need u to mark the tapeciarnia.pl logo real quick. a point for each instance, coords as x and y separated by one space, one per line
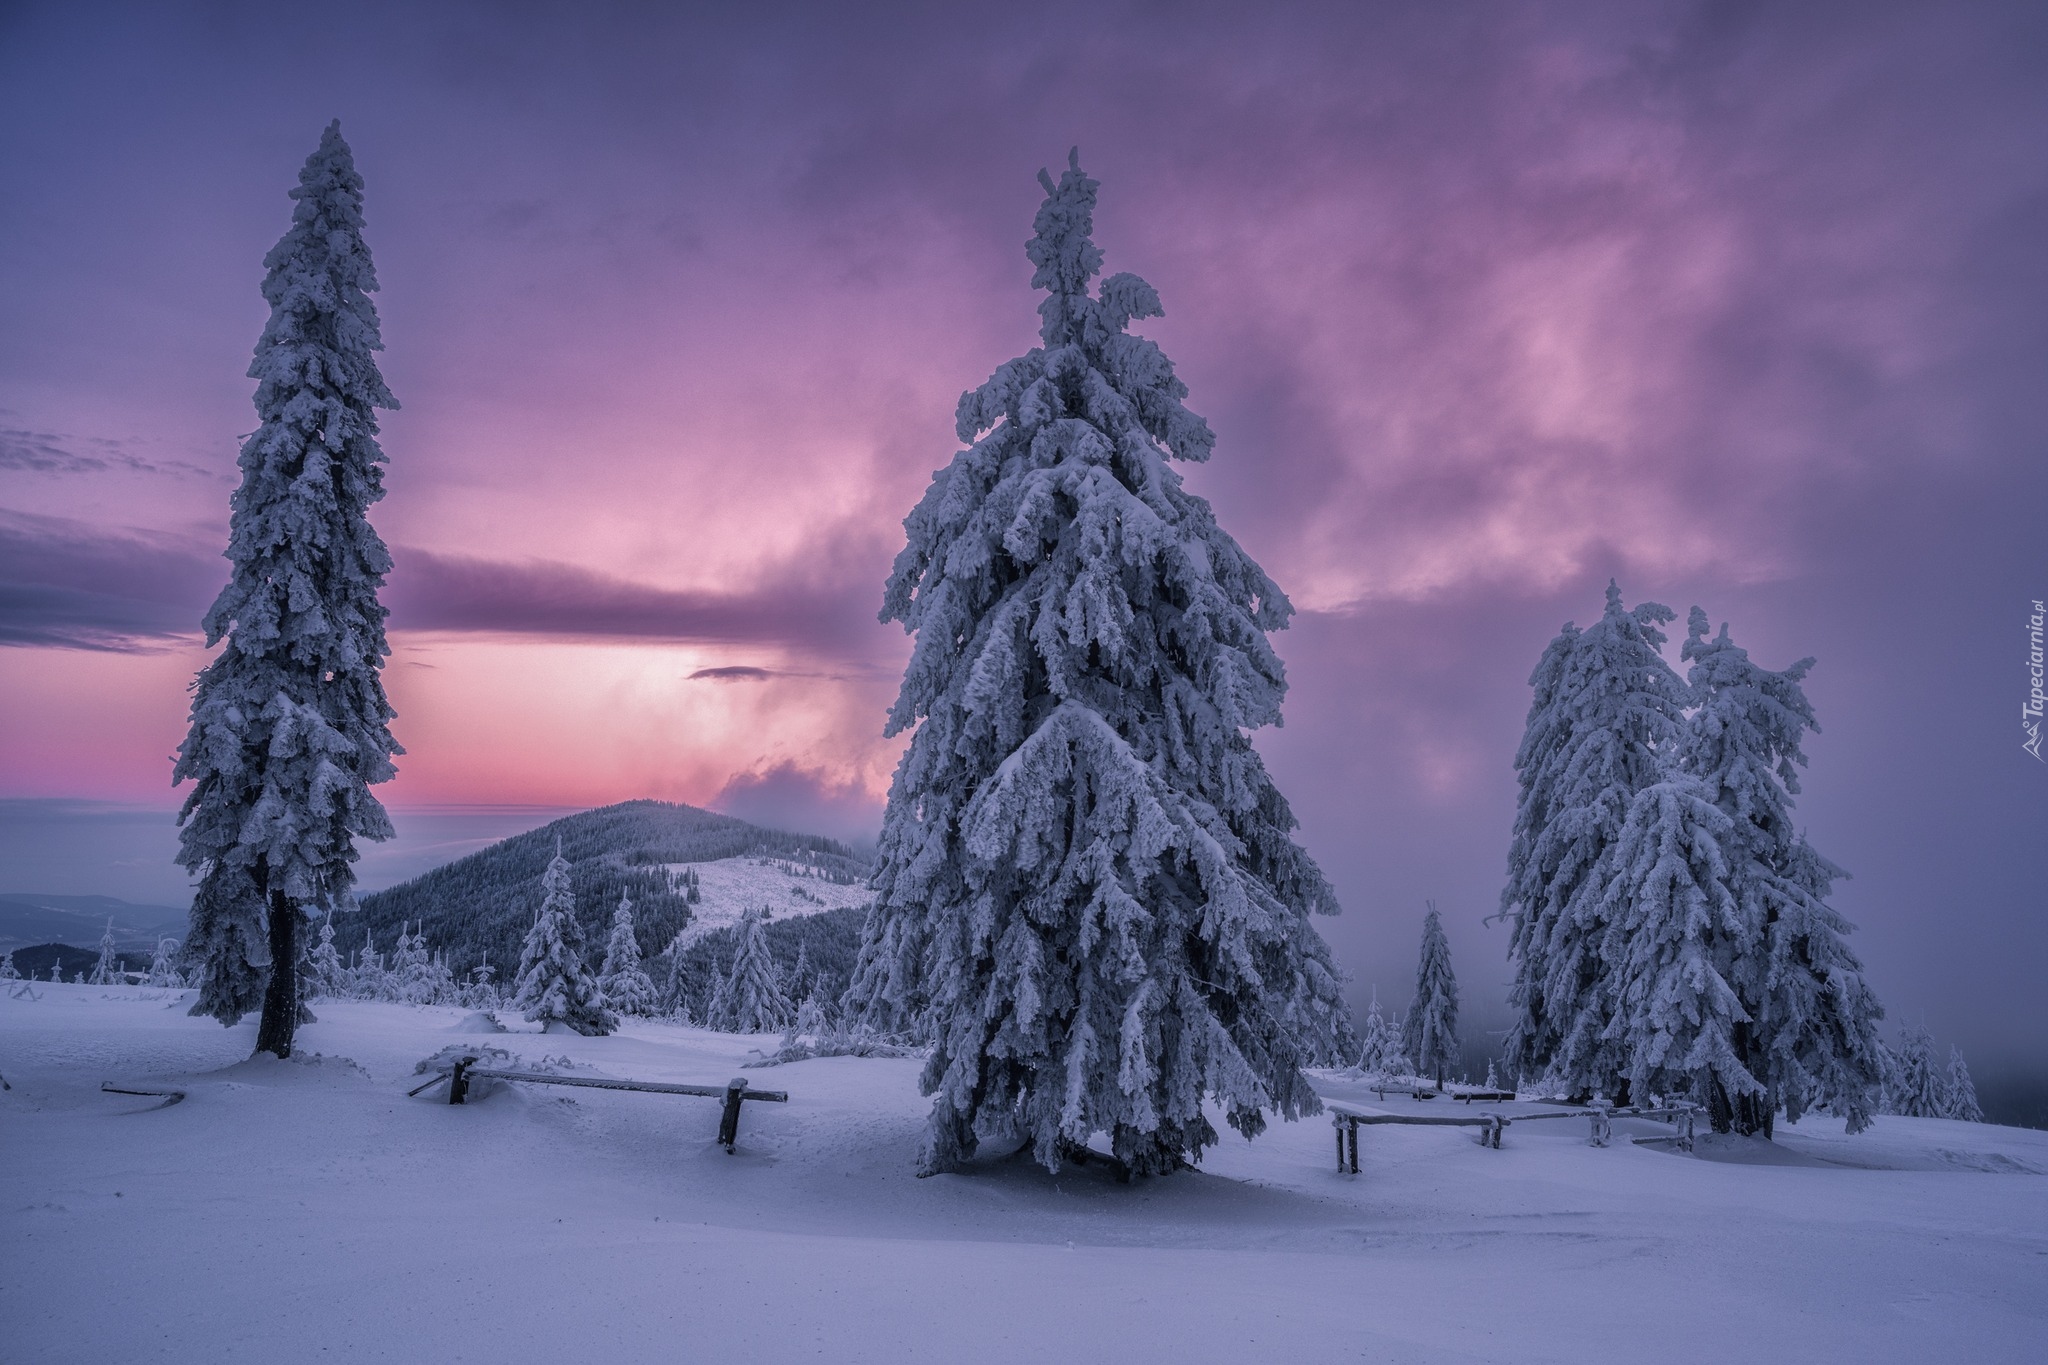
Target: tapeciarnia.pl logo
2030 714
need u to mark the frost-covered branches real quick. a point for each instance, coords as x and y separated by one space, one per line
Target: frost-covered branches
1089 899
1671 926
1429 1034
289 724
750 999
624 982
1606 708
555 985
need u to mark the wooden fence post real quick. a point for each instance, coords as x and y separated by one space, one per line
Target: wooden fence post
458 1080
729 1122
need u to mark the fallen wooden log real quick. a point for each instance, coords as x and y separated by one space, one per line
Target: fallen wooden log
169 1097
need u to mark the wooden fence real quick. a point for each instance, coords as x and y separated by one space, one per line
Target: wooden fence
734 1092
1600 1120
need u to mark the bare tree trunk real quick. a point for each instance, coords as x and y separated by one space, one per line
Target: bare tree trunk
281 996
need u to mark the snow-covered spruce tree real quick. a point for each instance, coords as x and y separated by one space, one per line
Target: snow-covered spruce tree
1810 1035
325 971
289 724
555 985
750 999
480 992
227 949
622 979
800 982
8 971
675 983
411 977
1672 936
1606 709
1379 1051
1960 1091
1918 1091
1430 1036
107 970
369 980
1088 896
163 965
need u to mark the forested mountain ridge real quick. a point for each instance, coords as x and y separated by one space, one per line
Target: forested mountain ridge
484 903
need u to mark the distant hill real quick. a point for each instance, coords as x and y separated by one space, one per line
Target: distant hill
34 962
681 865
32 918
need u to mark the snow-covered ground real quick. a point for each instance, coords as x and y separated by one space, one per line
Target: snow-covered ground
309 1210
730 887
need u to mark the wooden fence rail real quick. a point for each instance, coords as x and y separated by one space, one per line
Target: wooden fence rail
734 1092
1348 1124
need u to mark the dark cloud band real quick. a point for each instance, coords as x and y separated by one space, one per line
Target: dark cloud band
68 585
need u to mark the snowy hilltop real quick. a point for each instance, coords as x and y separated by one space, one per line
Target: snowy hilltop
686 871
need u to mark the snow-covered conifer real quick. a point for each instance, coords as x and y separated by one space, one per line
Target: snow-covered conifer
480 992
325 971
555 985
226 953
107 970
163 965
411 975
1959 1091
1088 896
622 979
369 980
1379 1051
750 998
675 981
1811 1032
290 724
1919 1091
8 971
1430 1037
1606 709
1672 935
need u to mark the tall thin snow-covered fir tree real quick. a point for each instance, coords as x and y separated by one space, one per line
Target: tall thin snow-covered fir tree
1089 899
1606 710
555 985
626 987
750 998
290 727
1430 1032
8 971
1808 1032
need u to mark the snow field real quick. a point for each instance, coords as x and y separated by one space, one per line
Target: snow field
732 886
307 1209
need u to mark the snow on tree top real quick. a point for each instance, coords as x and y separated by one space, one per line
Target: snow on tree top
729 887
